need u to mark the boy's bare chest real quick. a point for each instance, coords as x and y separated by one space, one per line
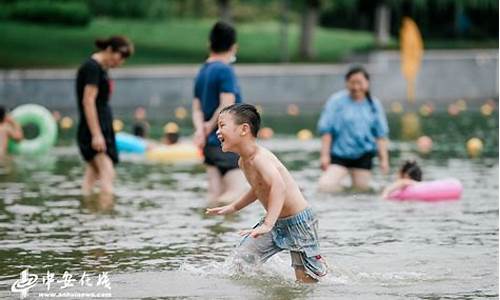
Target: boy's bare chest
255 180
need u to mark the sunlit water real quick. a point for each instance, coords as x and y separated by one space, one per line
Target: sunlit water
156 242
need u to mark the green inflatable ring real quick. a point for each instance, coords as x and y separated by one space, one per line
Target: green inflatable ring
47 129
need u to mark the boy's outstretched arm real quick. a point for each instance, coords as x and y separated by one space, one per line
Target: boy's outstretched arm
248 198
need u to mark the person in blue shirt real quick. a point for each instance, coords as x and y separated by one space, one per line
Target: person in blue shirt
216 87
353 129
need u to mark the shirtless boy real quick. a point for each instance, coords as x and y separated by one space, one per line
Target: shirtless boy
289 224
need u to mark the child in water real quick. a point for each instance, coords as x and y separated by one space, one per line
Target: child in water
141 125
9 129
289 224
409 174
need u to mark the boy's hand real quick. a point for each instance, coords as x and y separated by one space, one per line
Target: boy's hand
256 232
221 210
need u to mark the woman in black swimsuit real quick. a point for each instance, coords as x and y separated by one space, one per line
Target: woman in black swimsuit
95 137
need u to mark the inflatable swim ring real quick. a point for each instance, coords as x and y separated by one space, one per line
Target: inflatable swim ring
39 116
175 153
129 143
430 191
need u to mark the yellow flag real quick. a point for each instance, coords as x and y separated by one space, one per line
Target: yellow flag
412 49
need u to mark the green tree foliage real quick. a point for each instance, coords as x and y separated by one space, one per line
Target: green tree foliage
70 13
436 18
143 9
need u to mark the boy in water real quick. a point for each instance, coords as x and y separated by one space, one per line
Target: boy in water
9 129
289 223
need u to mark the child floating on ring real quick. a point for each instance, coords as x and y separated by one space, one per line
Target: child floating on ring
409 186
290 223
409 173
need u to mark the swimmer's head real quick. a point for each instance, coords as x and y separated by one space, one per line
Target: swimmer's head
237 122
222 38
2 113
171 138
410 170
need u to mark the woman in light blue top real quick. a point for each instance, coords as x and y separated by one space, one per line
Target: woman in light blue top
353 129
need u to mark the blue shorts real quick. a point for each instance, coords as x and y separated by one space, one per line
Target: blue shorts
298 234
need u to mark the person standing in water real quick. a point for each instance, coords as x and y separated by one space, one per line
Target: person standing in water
353 129
95 135
216 87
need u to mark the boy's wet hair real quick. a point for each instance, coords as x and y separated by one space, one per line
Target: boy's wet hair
2 113
245 113
222 37
411 169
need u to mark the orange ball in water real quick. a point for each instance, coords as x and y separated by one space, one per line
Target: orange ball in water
453 110
396 107
304 135
474 147
171 127
66 123
117 125
181 113
265 133
491 102
486 109
424 144
293 110
461 104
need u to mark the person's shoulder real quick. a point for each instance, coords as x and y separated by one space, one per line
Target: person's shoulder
222 68
264 159
216 67
90 64
376 100
377 103
337 98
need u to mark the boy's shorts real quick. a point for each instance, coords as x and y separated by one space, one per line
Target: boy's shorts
298 234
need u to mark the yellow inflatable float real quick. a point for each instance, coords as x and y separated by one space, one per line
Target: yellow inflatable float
175 153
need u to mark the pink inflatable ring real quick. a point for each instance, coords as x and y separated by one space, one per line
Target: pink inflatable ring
430 191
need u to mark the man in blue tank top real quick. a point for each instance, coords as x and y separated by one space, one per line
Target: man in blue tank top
216 87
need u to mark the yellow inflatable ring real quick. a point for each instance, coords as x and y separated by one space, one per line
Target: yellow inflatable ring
175 153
